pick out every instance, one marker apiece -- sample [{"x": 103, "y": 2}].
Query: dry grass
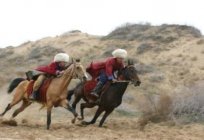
[
  {"x": 200, "y": 42},
  {"x": 188, "y": 103},
  {"x": 194, "y": 58}
]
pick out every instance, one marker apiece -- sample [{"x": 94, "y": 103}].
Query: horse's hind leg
[
  {"x": 25, "y": 104},
  {"x": 6, "y": 109},
  {"x": 105, "y": 116},
  {"x": 85, "y": 105},
  {"x": 18, "y": 96},
  {"x": 97, "y": 114}
]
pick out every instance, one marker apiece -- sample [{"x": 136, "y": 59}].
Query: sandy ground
[
  {"x": 32, "y": 126},
  {"x": 114, "y": 128}
]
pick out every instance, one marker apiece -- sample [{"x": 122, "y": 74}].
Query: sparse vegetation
[
  {"x": 163, "y": 34},
  {"x": 156, "y": 77},
  {"x": 143, "y": 69},
  {"x": 194, "y": 58},
  {"x": 45, "y": 51},
  {"x": 155, "y": 109},
  {"x": 144, "y": 48},
  {"x": 188, "y": 104},
  {"x": 200, "y": 42},
  {"x": 6, "y": 52}
]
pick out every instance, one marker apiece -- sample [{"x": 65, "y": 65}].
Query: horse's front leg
[
  {"x": 105, "y": 116},
  {"x": 49, "y": 110},
  {"x": 64, "y": 103},
  {"x": 97, "y": 114}
]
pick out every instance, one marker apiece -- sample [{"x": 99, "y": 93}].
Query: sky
[{"x": 30, "y": 20}]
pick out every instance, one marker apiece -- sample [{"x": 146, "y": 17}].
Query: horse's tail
[
  {"x": 14, "y": 84},
  {"x": 70, "y": 93}
]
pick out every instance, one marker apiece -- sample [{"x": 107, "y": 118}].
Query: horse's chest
[{"x": 114, "y": 103}]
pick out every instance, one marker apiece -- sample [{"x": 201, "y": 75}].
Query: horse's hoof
[
  {"x": 80, "y": 119},
  {"x": 73, "y": 121},
  {"x": 85, "y": 123},
  {"x": 75, "y": 115}
]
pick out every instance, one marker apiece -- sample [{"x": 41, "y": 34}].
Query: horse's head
[
  {"x": 129, "y": 73},
  {"x": 79, "y": 70}
]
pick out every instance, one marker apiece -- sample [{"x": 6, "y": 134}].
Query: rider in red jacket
[
  {"x": 54, "y": 68},
  {"x": 104, "y": 70}
]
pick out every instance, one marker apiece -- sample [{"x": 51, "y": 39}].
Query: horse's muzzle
[
  {"x": 84, "y": 79},
  {"x": 137, "y": 83}
]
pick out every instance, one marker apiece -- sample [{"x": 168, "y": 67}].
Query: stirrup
[
  {"x": 32, "y": 96},
  {"x": 95, "y": 94}
]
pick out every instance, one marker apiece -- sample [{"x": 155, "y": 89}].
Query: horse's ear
[
  {"x": 130, "y": 62},
  {"x": 78, "y": 60},
  {"x": 72, "y": 60}
]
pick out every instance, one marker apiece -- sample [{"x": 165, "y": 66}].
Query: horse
[
  {"x": 55, "y": 95},
  {"x": 111, "y": 96}
]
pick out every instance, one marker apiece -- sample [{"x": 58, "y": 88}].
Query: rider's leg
[
  {"x": 102, "y": 80},
  {"x": 36, "y": 86}
]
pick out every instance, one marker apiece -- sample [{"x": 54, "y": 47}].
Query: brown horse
[
  {"x": 111, "y": 96},
  {"x": 56, "y": 93}
]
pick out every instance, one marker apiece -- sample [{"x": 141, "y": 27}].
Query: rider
[
  {"x": 54, "y": 68},
  {"x": 104, "y": 70}
]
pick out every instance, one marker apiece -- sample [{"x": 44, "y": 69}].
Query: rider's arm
[{"x": 109, "y": 70}]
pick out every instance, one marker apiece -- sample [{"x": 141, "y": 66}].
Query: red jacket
[
  {"x": 109, "y": 65},
  {"x": 52, "y": 68}
]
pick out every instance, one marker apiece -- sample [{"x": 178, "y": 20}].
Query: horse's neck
[
  {"x": 67, "y": 76},
  {"x": 121, "y": 88}
]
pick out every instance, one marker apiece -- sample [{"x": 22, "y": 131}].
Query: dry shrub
[
  {"x": 164, "y": 33},
  {"x": 154, "y": 108},
  {"x": 188, "y": 104},
  {"x": 24, "y": 121},
  {"x": 185, "y": 105},
  {"x": 44, "y": 51},
  {"x": 179, "y": 55},
  {"x": 194, "y": 58},
  {"x": 142, "y": 48},
  {"x": 200, "y": 42},
  {"x": 6, "y": 52}
]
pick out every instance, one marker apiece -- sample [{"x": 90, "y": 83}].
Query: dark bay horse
[{"x": 110, "y": 98}]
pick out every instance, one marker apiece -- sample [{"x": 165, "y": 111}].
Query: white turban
[
  {"x": 61, "y": 57},
  {"x": 120, "y": 53}
]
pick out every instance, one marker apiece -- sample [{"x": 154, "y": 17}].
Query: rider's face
[
  {"x": 120, "y": 60},
  {"x": 62, "y": 64}
]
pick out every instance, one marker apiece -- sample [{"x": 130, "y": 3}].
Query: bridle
[{"x": 125, "y": 74}]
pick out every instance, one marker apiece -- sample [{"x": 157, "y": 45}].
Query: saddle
[{"x": 41, "y": 96}]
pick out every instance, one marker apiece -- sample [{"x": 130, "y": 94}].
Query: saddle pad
[{"x": 41, "y": 96}]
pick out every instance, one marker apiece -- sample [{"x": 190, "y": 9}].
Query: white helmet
[
  {"x": 120, "y": 53},
  {"x": 61, "y": 57}
]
